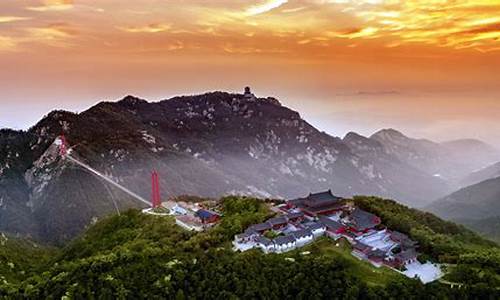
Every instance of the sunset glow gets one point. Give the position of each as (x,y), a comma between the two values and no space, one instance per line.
(433,23)
(296,49)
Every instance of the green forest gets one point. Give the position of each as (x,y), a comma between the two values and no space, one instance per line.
(138,256)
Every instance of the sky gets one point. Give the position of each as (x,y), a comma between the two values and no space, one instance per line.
(429,68)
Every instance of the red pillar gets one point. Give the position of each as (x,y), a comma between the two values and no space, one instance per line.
(158,200)
(155,190)
(153,195)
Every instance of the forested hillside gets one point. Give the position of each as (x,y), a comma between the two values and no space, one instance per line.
(488,227)
(141,256)
(20,259)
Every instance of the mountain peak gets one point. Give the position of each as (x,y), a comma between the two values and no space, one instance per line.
(389,131)
(132,100)
(358,142)
(215,96)
(351,135)
(388,134)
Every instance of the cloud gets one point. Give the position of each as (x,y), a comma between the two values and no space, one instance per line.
(264,7)
(484,29)
(8,19)
(368,32)
(55,34)
(7,43)
(52,5)
(151,28)
(294,10)
(319,24)
(240,49)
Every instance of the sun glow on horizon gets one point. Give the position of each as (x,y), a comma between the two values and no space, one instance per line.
(84,50)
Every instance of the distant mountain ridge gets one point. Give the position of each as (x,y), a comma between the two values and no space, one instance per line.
(451,160)
(478,201)
(489,172)
(476,206)
(211,144)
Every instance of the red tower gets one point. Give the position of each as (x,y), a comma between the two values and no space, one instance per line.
(62,148)
(155,190)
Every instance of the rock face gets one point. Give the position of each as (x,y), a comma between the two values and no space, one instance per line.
(208,145)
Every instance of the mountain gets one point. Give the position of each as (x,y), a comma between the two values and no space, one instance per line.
(19,259)
(15,158)
(140,256)
(477,206)
(399,175)
(488,227)
(483,174)
(451,161)
(472,153)
(209,145)
(479,201)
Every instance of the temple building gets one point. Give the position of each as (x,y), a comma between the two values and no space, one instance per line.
(207,216)
(360,221)
(248,94)
(313,205)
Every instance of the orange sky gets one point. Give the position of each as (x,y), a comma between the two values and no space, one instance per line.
(430,68)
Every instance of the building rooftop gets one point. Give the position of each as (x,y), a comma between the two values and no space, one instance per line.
(260,227)
(281,240)
(263,240)
(321,199)
(205,214)
(295,215)
(323,209)
(406,255)
(362,220)
(245,234)
(277,221)
(330,224)
(315,225)
(301,233)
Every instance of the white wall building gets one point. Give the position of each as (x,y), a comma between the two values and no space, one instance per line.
(302,237)
(265,244)
(317,229)
(179,210)
(284,243)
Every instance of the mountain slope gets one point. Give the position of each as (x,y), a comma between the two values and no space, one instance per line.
(19,259)
(488,227)
(489,172)
(478,201)
(211,144)
(399,175)
(15,158)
